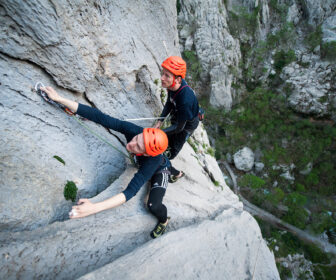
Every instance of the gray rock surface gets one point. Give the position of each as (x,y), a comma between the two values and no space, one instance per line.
(244,159)
(32,133)
(329,29)
(205,23)
(106,54)
(318,11)
(312,89)
(192,264)
(91,55)
(72,248)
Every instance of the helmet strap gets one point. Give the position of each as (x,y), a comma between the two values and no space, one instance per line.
(173,84)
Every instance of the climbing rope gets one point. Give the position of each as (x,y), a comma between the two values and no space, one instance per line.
(255,263)
(69,112)
(144,119)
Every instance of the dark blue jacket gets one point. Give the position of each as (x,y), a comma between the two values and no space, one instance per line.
(148,166)
(183,106)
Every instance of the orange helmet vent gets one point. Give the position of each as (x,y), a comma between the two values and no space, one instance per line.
(156,141)
(175,65)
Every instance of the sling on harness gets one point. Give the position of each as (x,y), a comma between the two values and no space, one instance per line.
(39,91)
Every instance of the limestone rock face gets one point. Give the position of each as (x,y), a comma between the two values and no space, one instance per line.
(205,23)
(329,29)
(32,133)
(183,265)
(312,88)
(244,159)
(82,48)
(105,54)
(318,11)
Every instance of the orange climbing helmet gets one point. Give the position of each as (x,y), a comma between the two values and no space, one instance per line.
(156,141)
(175,65)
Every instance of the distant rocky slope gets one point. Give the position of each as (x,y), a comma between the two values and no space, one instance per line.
(105,54)
(228,38)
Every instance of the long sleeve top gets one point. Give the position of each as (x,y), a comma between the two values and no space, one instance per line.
(148,165)
(183,106)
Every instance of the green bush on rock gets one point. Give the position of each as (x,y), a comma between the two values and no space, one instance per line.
(70,191)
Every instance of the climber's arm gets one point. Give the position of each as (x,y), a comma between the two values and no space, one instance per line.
(53,95)
(86,207)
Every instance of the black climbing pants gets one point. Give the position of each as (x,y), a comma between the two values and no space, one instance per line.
(176,142)
(159,183)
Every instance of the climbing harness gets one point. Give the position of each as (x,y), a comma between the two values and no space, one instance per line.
(44,95)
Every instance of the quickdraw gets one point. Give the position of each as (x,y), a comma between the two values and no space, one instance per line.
(46,98)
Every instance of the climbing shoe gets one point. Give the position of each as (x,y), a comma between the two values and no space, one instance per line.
(173,178)
(159,229)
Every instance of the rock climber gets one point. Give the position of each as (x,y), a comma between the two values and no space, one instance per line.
(182,104)
(148,144)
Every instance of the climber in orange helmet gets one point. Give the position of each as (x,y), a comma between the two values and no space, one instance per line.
(182,104)
(147,144)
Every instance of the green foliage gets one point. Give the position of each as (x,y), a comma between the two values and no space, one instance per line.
(295,200)
(70,191)
(327,177)
(281,10)
(210,151)
(178,6)
(282,37)
(312,179)
(163,96)
(314,38)
(220,9)
(274,154)
(251,181)
(328,50)
(59,159)
(300,188)
(263,120)
(322,222)
(315,254)
(193,145)
(282,58)
(296,214)
(156,82)
(290,244)
(276,196)
(193,64)
(244,21)
(324,272)
(296,217)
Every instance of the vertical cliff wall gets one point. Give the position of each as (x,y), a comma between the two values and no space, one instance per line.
(106,54)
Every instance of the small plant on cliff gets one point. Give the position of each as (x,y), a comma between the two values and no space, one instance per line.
(59,159)
(210,151)
(193,64)
(178,6)
(163,96)
(70,191)
(193,145)
(328,50)
(282,58)
(314,38)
